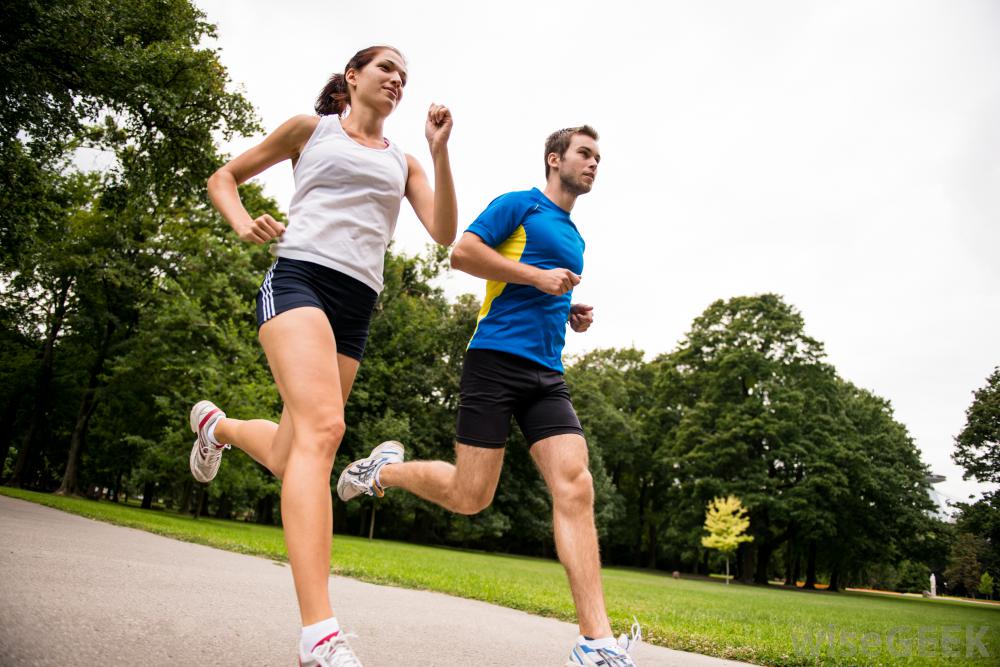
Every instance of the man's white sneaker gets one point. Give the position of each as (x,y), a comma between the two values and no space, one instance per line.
(361,477)
(333,651)
(205,454)
(606,653)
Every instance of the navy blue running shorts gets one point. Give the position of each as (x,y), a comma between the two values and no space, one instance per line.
(347,302)
(497,385)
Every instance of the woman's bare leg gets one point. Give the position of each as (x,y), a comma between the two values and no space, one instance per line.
(268,443)
(302,352)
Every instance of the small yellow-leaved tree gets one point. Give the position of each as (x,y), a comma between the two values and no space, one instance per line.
(726,521)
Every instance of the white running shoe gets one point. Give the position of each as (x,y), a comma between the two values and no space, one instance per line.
(614,655)
(360,477)
(334,651)
(205,455)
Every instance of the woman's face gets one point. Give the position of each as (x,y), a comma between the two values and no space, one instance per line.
(380,83)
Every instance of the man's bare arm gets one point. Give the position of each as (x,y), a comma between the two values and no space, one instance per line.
(474,257)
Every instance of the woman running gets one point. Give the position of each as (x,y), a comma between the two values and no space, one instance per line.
(316,301)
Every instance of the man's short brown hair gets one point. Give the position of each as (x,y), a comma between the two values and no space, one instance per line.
(559,141)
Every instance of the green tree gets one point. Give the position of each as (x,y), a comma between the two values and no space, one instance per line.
(913,577)
(129,79)
(196,338)
(986,585)
(42,295)
(743,387)
(977,447)
(883,510)
(746,405)
(977,450)
(726,522)
(611,397)
(982,519)
(963,572)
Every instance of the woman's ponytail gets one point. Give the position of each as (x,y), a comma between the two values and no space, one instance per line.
(334,97)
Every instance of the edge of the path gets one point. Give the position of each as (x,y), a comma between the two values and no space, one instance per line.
(90,509)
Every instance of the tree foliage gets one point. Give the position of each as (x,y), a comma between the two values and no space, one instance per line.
(85,253)
(726,522)
(977,447)
(964,572)
(986,585)
(126,298)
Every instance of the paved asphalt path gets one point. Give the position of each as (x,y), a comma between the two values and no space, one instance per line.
(79,592)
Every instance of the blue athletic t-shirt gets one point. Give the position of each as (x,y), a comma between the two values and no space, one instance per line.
(527,227)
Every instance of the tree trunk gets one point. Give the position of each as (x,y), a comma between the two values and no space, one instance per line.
(637,554)
(147,495)
(88,403)
(834,579)
(44,379)
(7,426)
(727,569)
(371,524)
(199,503)
(764,552)
(653,546)
(186,490)
(87,406)
(361,520)
(222,510)
(746,563)
(796,568)
(264,512)
(811,566)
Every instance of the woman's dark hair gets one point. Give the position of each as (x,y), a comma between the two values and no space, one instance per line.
(335,96)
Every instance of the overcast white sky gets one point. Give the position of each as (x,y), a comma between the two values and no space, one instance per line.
(842,154)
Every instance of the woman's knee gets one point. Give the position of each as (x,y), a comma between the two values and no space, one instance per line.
(319,437)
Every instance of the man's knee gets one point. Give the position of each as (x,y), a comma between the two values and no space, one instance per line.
(575,491)
(470,503)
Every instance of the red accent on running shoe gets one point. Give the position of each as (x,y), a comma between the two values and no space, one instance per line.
(205,419)
(325,639)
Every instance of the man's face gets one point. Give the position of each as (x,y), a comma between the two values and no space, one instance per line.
(578,167)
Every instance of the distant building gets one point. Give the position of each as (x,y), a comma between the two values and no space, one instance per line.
(943,511)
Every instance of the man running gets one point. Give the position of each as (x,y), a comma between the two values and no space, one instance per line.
(531,254)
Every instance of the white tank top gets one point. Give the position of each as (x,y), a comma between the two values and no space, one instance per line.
(346,203)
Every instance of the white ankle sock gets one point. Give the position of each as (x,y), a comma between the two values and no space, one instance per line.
(210,432)
(598,642)
(315,633)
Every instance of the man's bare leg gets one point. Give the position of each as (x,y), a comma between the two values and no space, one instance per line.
(465,487)
(562,460)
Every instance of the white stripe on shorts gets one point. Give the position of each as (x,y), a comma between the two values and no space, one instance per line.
(267,294)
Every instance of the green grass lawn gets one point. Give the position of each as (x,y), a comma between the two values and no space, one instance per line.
(768,626)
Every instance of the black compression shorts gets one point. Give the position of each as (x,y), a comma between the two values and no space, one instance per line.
(496,385)
(347,302)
